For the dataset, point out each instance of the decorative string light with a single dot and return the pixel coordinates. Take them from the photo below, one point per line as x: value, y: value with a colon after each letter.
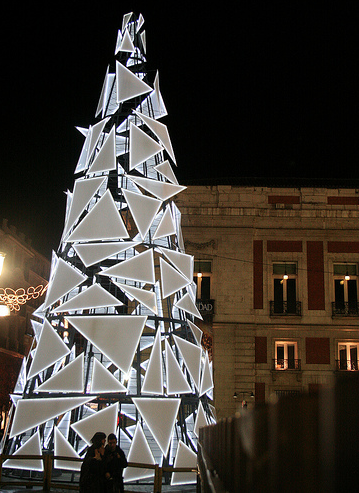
x: 13, y: 299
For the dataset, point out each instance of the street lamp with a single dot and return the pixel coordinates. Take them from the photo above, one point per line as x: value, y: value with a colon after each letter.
x: 244, y: 403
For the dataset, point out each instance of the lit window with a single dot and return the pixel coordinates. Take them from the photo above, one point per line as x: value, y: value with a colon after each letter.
x: 285, y: 289
x: 348, y: 356
x: 202, y: 277
x: 286, y: 355
x: 345, y: 289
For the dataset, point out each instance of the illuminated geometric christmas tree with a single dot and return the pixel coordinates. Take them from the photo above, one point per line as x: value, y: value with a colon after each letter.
x: 117, y: 348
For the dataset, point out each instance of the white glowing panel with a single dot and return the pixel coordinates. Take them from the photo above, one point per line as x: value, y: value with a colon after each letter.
x: 160, y: 189
x: 65, y: 278
x: 50, y: 349
x: 128, y: 84
x: 140, y: 268
x: 192, y: 358
x: 126, y: 43
x: 166, y: 226
x: 33, y: 412
x: 92, y: 253
x: 161, y: 131
x: 93, y: 226
x: 171, y: 279
x: 103, y: 381
x: 160, y: 416
x: 176, y: 382
x: 159, y: 108
x: 207, y: 380
x: 115, y: 336
x: 142, y: 147
x: 196, y: 331
x: 140, y: 22
x: 146, y: 298
x: 95, y: 132
x: 201, y: 419
x: 103, y: 95
x: 69, y: 379
x: 166, y: 170
x: 104, y: 420
x: 186, y: 304
x: 185, y: 457
x: 143, y: 210
x: 153, y: 381
x: 105, y: 160
x: 183, y: 262
x: 139, y: 452
x: 31, y: 447
x: 84, y: 190
x: 92, y: 297
x: 64, y: 449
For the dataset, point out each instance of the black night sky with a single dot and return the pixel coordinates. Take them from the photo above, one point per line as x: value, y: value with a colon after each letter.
x: 252, y: 89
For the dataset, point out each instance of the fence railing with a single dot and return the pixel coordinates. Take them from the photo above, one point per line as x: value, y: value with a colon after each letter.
x: 302, y: 443
x: 47, y: 482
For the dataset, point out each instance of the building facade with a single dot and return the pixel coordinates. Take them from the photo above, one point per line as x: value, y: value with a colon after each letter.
x: 277, y: 271
x: 23, y: 281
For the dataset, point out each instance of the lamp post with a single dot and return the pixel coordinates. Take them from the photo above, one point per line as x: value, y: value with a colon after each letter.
x: 244, y: 402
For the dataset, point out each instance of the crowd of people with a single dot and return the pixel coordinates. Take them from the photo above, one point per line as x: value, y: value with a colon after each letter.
x: 103, y: 465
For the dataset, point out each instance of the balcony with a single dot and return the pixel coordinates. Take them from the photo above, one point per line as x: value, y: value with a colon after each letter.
x: 285, y: 308
x: 286, y: 364
x: 345, y: 309
x: 346, y: 365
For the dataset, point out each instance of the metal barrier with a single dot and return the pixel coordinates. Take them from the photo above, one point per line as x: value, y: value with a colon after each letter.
x: 48, y: 459
x: 302, y: 443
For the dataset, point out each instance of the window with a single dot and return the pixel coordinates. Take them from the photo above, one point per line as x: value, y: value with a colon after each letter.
x: 348, y: 356
x: 345, y: 289
x: 285, y: 289
x: 202, y: 277
x: 286, y: 356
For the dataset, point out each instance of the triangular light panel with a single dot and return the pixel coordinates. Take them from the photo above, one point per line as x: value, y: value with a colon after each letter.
x: 50, y: 349
x: 185, y: 457
x: 128, y: 84
x: 142, y: 147
x: 166, y: 171
x: 92, y: 253
x: 176, y: 382
x: 69, y: 379
x: 31, y: 447
x: 160, y: 189
x: 166, y: 226
x: 84, y: 190
x: 192, y: 358
x: 116, y: 336
x: 201, y: 419
x: 196, y: 331
x: 182, y: 262
x: 33, y: 412
x: 186, y: 304
x: 65, y: 278
x: 64, y: 449
x: 103, y: 381
x: 145, y: 297
x: 160, y: 416
x: 126, y: 43
x: 160, y: 130
x: 93, y: 226
x: 139, y: 268
x: 139, y: 452
x: 143, y: 209
x: 171, y: 280
x: 92, y: 297
x: 104, y: 420
x: 153, y: 381
x: 106, y: 158
x: 206, y: 380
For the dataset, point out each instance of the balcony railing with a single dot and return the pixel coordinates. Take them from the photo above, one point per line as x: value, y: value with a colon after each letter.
x: 345, y: 309
x: 286, y: 364
x: 285, y: 308
x: 347, y: 365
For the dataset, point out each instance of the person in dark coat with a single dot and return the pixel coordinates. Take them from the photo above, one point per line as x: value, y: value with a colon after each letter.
x: 92, y: 476
x: 115, y: 463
